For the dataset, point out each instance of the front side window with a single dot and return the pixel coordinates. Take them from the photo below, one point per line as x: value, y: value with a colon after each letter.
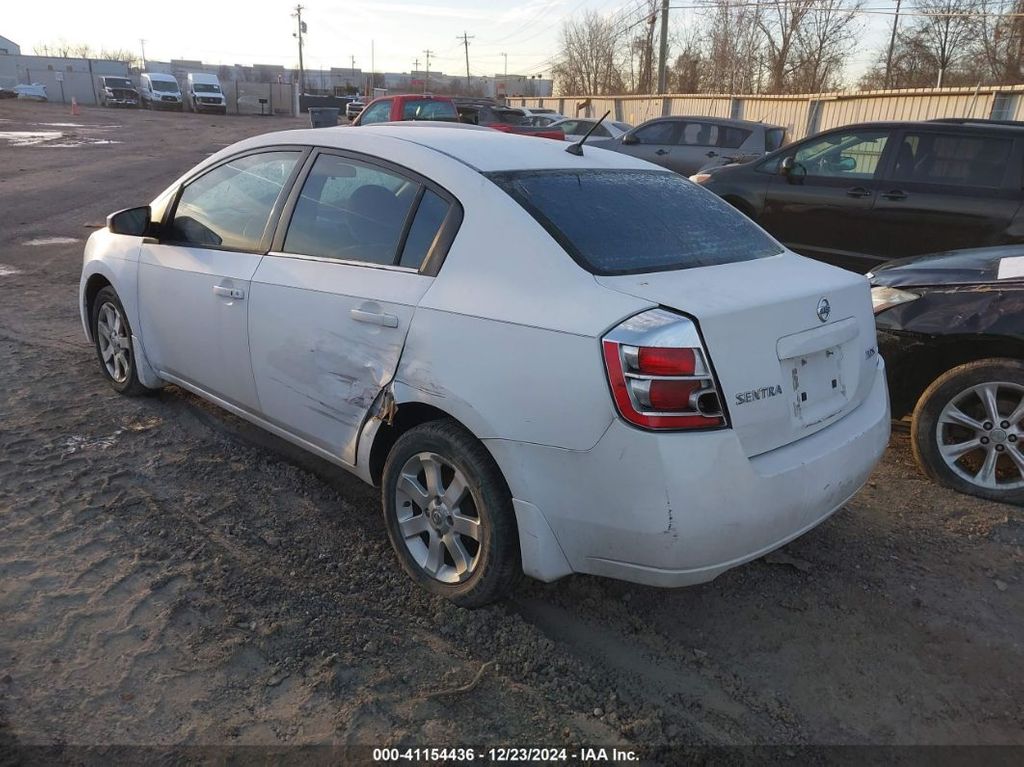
x: 657, y: 133
x: 842, y: 155
x: 935, y: 158
x: 630, y: 221
x: 376, y: 113
x: 351, y: 211
x: 229, y: 206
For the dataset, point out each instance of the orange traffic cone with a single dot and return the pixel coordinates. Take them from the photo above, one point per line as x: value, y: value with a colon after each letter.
x: 74, y: 106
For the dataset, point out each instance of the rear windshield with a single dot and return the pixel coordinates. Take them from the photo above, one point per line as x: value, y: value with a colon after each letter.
x: 426, y: 109
x: 629, y: 221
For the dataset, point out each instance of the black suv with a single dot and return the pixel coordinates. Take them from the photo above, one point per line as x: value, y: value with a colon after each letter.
x: 863, y: 194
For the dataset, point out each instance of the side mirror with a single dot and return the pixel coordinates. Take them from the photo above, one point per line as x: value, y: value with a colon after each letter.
x: 134, y: 222
x: 847, y: 163
x: 787, y: 165
x: 628, y: 139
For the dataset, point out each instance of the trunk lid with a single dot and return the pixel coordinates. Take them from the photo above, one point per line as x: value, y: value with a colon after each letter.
x: 784, y: 373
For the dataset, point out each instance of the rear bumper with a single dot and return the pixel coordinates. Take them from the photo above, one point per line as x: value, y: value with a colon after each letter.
x: 678, y: 509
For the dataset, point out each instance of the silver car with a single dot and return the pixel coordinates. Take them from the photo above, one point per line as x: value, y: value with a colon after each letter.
x: 689, y: 144
x: 576, y: 128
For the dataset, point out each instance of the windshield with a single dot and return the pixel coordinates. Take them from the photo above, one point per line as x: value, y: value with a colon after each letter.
x: 205, y: 88
x: 165, y: 86
x: 428, y: 109
x: 629, y: 221
x: 117, y: 82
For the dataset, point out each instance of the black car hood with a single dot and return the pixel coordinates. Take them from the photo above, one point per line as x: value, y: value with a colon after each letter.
x: 955, y: 267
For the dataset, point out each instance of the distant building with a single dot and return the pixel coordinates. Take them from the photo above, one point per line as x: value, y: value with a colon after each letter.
x: 9, y: 47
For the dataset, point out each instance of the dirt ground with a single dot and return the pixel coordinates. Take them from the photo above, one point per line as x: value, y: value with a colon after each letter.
x: 171, y: 575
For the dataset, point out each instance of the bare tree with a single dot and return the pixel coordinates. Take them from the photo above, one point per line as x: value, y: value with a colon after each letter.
x: 780, y: 22
x: 824, y: 40
x: 1001, y: 38
x: 588, y: 60
x: 947, y: 30
x: 733, y: 48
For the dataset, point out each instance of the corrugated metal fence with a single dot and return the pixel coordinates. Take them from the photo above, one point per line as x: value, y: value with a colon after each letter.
x: 803, y: 114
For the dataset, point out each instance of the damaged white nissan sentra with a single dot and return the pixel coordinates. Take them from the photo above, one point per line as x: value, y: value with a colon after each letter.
x: 549, y: 363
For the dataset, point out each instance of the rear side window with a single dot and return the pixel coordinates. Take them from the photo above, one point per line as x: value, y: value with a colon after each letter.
x: 629, y: 221
x: 430, y: 216
x: 935, y: 158
x: 229, y: 206
x: 427, y: 109
x: 710, y: 134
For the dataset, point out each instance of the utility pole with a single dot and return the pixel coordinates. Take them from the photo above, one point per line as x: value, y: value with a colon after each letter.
x: 663, y: 49
x: 465, y: 38
x: 506, y: 67
x: 892, y: 46
x: 143, y: 44
x: 416, y: 66
x: 426, y: 82
x: 299, y: 34
x: 373, y: 70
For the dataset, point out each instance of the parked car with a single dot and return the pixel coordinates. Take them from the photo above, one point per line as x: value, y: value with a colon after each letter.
x: 542, y: 121
x: 407, y: 107
x: 353, y: 108
x: 576, y: 128
x: 118, y: 92
x: 504, y: 119
x: 607, y: 394
x: 688, y: 144
x: 205, y: 93
x: 532, y: 111
x: 160, y: 91
x: 33, y: 92
x: 864, y: 194
x: 951, y: 329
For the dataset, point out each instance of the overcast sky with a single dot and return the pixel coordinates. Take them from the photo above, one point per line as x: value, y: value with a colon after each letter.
x: 261, y: 31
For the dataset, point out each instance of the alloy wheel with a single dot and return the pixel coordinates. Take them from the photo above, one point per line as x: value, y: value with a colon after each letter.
x: 114, y: 342
x: 438, y: 518
x: 980, y: 437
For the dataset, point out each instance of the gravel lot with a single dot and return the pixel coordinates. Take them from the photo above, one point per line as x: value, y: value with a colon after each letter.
x: 170, y: 574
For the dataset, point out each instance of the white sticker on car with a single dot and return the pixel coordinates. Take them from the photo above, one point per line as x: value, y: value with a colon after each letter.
x: 1011, y: 267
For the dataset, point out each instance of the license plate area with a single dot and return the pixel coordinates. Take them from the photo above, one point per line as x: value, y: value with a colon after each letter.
x: 816, y: 386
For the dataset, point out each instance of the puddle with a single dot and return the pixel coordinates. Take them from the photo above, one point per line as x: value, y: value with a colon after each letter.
x: 50, y: 241
x: 7, y: 271
x: 29, y: 138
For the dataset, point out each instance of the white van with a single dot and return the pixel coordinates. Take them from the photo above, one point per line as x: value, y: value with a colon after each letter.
x: 205, y: 94
x: 159, y: 91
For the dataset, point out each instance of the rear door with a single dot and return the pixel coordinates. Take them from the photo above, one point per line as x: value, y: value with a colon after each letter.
x: 701, y: 142
x: 947, y: 189
x: 333, y: 302
x: 822, y: 208
x: 194, y: 282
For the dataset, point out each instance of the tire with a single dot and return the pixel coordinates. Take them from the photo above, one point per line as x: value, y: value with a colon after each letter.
x: 465, y: 551
x: 119, y: 369
x: 967, y: 431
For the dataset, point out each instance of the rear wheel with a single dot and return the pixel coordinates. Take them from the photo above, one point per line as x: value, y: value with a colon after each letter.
x: 112, y: 336
x: 967, y: 430
x: 449, y: 515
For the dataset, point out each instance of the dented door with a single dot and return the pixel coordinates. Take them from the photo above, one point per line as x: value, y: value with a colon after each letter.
x: 325, y: 338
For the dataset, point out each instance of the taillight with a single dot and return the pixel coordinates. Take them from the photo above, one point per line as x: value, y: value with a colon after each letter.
x: 660, y: 374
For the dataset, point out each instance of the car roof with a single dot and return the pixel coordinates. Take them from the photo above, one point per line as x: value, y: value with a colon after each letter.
x: 484, y: 150
x: 957, y: 124
x: 715, y: 120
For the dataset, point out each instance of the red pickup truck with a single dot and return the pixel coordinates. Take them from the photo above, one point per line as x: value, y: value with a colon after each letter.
x: 408, y: 107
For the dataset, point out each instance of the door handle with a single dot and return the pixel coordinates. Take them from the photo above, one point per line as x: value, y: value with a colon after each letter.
x: 895, y: 194
x: 858, y: 191
x: 711, y: 154
x: 235, y: 293
x: 374, y: 318
x: 662, y: 151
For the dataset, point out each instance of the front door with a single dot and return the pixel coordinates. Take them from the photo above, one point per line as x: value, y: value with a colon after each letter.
x: 332, y: 304
x: 654, y: 142
x: 947, y: 190
x: 822, y: 207
x: 194, y: 283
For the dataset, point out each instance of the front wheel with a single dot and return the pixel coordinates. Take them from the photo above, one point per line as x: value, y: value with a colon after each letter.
x: 967, y: 430
x: 449, y: 515
x: 112, y: 336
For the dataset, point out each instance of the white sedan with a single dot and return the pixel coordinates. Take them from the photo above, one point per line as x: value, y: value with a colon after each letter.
x: 576, y: 128
x: 635, y: 381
